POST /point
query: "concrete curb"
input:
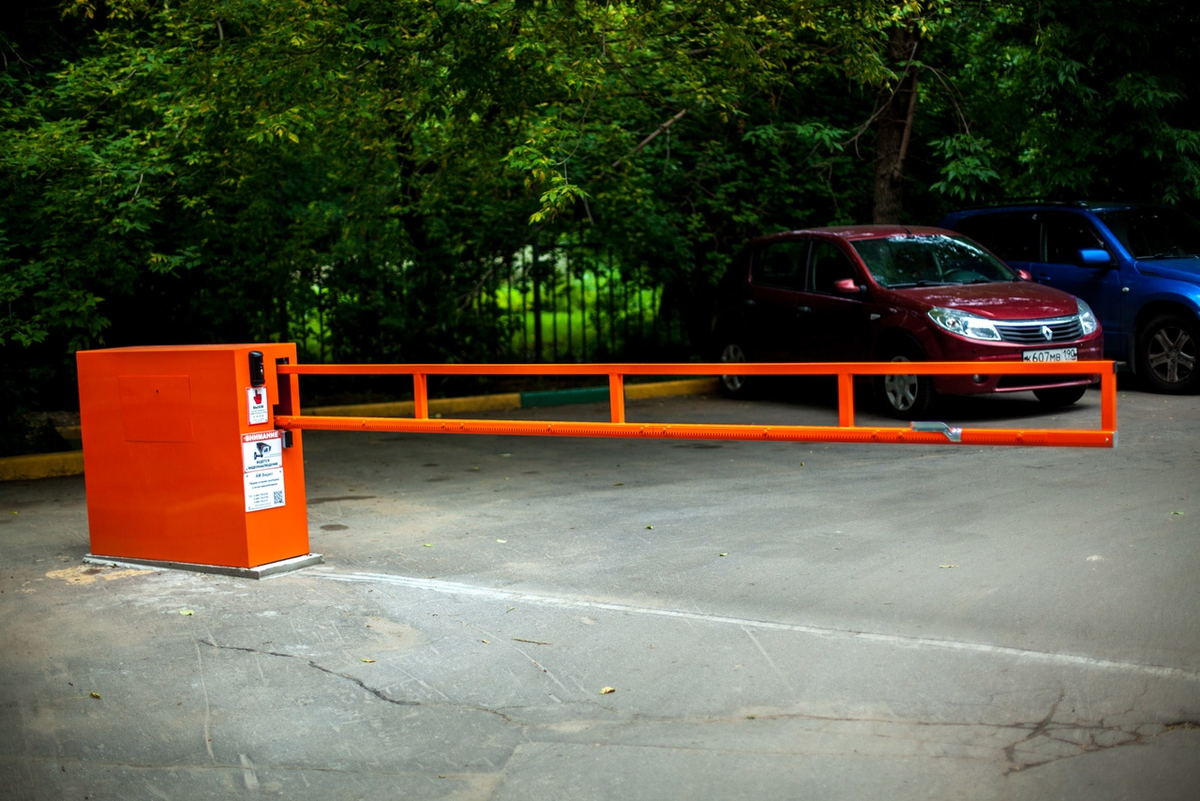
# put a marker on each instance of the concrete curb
(70, 463)
(41, 465)
(663, 389)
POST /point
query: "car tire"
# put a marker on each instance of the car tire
(1059, 397)
(1167, 350)
(734, 386)
(905, 397)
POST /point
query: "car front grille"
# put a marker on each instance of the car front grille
(1033, 332)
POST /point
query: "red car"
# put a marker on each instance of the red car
(893, 293)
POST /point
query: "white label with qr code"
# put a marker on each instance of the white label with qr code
(262, 470)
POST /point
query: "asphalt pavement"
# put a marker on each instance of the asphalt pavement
(536, 618)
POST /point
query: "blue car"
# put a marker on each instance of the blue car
(1137, 266)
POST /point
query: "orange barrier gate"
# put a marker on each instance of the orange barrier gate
(288, 418)
(193, 454)
(182, 461)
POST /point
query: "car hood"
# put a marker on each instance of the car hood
(1007, 300)
(1187, 269)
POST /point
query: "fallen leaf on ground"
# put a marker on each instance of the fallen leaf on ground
(650, 527)
(94, 695)
(944, 567)
(364, 659)
(723, 554)
(186, 612)
(607, 690)
(501, 541)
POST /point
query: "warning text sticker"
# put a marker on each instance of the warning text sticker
(262, 468)
(262, 451)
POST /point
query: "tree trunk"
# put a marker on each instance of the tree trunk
(899, 105)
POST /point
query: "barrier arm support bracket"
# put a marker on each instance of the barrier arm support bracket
(845, 400)
(421, 396)
(616, 397)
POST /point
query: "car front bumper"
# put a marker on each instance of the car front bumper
(1087, 349)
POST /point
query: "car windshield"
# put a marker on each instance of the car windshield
(1154, 233)
(901, 261)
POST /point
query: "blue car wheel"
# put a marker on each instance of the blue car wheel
(1167, 350)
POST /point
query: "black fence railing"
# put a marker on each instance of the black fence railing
(565, 300)
(573, 302)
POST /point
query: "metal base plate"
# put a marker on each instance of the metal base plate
(261, 572)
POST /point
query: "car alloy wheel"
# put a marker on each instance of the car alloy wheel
(733, 385)
(1167, 353)
(907, 397)
(901, 390)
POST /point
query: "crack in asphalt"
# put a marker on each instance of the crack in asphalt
(380, 694)
(1133, 735)
(1039, 729)
(1059, 731)
(1047, 729)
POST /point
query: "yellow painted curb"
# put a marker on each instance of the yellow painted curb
(41, 465)
(476, 403)
(472, 403)
(662, 389)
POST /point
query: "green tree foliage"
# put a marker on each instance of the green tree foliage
(224, 170)
(1073, 100)
(195, 170)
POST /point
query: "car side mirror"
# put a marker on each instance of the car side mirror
(1094, 257)
(848, 286)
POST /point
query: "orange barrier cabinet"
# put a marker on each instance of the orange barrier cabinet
(182, 461)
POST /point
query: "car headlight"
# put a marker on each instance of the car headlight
(1086, 318)
(964, 324)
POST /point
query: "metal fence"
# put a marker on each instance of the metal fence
(562, 301)
(571, 301)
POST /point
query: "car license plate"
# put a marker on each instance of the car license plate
(1056, 355)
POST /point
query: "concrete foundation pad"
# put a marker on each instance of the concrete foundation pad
(261, 572)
